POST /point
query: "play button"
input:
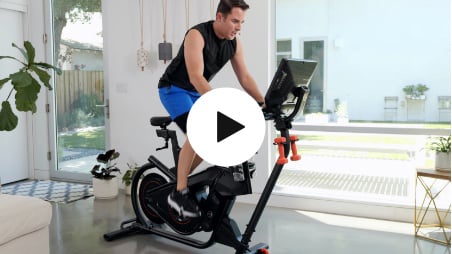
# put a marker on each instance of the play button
(226, 127)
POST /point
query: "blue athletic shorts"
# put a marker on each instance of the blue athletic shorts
(178, 102)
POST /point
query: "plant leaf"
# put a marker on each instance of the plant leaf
(21, 51)
(104, 158)
(26, 97)
(10, 57)
(30, 52)
(48, 66)
(43, 76)
(21, 79)
(8, 120)
(3, 81)
(95, 172)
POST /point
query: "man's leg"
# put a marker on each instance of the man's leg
(180, 199)
(184, 167)
(178, 103)
(196, 161)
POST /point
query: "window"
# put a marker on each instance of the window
(283, 49)
(353, 145)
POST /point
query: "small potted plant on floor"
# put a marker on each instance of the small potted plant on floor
(441, 146)
(128, 177)
(105, 184)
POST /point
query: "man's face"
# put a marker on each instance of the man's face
(231, 24)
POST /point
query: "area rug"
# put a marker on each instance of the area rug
(53, 191)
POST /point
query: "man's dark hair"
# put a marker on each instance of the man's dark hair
(225, 6)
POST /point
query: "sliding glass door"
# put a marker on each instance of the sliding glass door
(375, 102)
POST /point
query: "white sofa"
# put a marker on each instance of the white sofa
(24, 225)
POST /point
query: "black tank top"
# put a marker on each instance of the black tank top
(216, 54)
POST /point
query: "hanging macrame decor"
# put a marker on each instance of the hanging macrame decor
(142, 54)
(165, 48)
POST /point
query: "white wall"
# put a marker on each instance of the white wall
(133, 93)
(24, 151)
(386, 45)
(13, 144)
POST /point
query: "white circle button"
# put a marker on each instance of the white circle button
(225, 127)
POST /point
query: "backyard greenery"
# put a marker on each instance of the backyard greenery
(91, 138)
(341, 142)
(367, 139)
(354, 154)
(353, 145)
(84, 113)
(94, 138)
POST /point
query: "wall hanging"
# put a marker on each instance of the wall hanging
(165, 48)
(142, 54)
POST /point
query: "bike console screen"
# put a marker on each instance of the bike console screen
(288, 90)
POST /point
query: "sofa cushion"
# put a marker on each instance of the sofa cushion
(20, 215)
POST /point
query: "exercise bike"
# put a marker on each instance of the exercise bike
(215, 189)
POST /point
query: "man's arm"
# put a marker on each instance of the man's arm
(244, 77)
(193, 46)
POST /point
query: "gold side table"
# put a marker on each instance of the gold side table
(435, 184)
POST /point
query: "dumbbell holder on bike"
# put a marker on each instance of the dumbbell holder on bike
(215, 190)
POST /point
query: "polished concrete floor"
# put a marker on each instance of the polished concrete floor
(78, 228)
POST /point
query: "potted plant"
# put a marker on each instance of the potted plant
(409, 91)
(24, 85)
(105, 184)
(341, 111)
(421, 89)
(128, 177)
(441, 146)
(415, 92)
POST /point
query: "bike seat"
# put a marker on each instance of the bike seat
(161, 121)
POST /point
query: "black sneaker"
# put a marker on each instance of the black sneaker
(181, 202)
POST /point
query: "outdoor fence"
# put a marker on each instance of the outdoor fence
(72, 84)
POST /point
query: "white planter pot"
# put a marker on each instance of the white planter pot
(442, 161)
(128, 189)
(105, 189)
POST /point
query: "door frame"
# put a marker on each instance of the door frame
(325, 63)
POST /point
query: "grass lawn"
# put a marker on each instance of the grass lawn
(91, 138)
(367, 140)
(354, 154)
